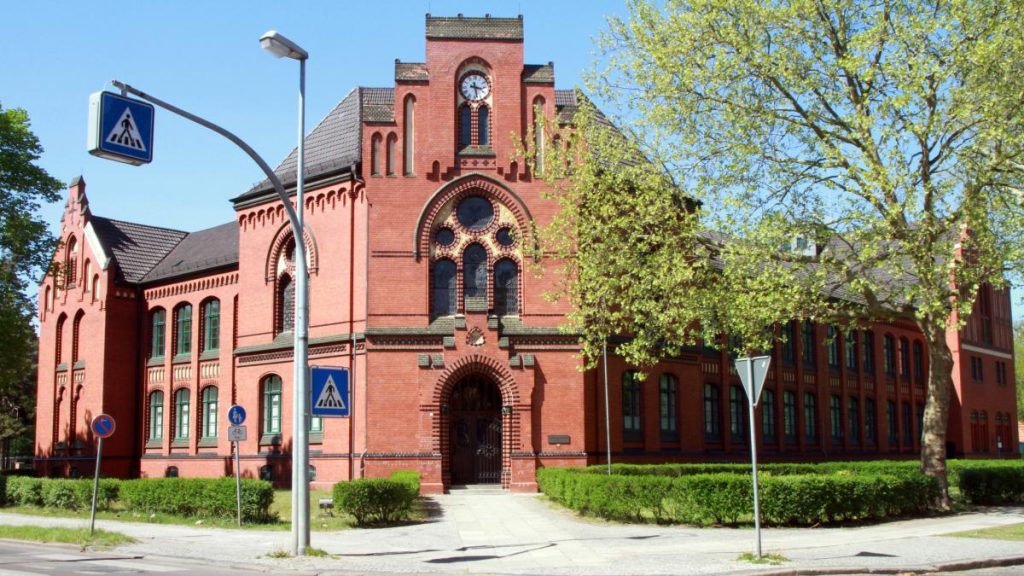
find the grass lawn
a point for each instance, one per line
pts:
(77, 536)
(1011, 532)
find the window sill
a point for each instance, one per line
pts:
(79, 365)
(179, 443)
(62, 367)
(182, 359)
(155, 443)
(316, 437)
(270, 440)
(210, 355)
(208, 443)
(477, 151)
(155, 361)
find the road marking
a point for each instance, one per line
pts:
(140, 566)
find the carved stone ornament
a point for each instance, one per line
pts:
(475, 337)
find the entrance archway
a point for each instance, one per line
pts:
(475, 433)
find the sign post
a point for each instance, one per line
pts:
(752, 372)
(236, 433)
(103, 426)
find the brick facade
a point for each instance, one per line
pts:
(421, 285)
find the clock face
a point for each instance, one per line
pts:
(475, 87)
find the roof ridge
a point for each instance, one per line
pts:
(96, 217)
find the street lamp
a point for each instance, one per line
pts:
(282, 47)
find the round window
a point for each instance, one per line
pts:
(505, 237)
(444, 237)
(475, 213)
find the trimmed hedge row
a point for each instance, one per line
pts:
(378, 500)
(726, 497)
(991, 486)
(209, 497)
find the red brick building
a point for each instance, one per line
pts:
(420, 285)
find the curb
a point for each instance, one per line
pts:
(928, 569)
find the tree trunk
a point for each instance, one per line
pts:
(936, 410)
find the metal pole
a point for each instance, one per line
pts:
(238, 483)
(95, 486)
(753, 455)
(607, 416)
(300, 449)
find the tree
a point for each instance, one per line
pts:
(886, 135)
(26, 248)
(1018, 367)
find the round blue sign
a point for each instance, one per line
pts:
(236, 415)
(103, 425)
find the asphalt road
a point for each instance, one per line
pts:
(33, 559)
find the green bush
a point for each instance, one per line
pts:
(208, 497)
(59, 493)
(25, 491)
(378, 500)
(991, 485)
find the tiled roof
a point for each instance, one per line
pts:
(411, 72)
(565, 105)
(486, 28)
(332, 146)
(203, 250)
(135, 248)
(378, 104)
(539, 73)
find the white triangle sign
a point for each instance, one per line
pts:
(126, 132)
(330, 397)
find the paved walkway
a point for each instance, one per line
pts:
(484, 532)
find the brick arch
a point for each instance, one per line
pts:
(477, 364)
(284, 233)
(472, 184)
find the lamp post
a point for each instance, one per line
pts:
(282, 47)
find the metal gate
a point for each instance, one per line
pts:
(476, 432)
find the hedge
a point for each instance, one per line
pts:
(726, 497)
(992, 485)
(211, 497)
(3, 490)
(60, 494)
(378, 500)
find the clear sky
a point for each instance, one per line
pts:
(205, 57)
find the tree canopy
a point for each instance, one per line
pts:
(843, 160)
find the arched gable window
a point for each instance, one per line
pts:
(183, 330)
(407, 141)
(483, 126)
(474, 277)
(157, 333)
(286, 304)
(271, 406)
(156, 415)
(538, 136)
(59, 346)
(71, 263)
(389, 161)
(465, 125)
(209, 421)
(506, 287)
(76, 331)
(211, 325)
(375, 142)
(87, 275)
(443, 288)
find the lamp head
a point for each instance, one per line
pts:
(280, 46)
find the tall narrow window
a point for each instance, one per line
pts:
(156, 415)
(868, 348)
(538, 139)
(58, 349)
(851, 350)
(465, 126)
(389, 160)
(210, 412)
(768, 416)
(272, 405)
(87, 274)
(853, 415)
(443, 288)
(918, 362)
(71, 264)
(631, 427)
(789, 415)
(712, 418)
(211, 325)
(985, 313)
(870, 421)
(183, 330)
(286, 304)
(889, 354)
(908, 435)
(835, 416)
(483, 126)
(157, 333)
(737, 415)
(375, 152)
(76, 334)
(890, 420)
(905, 358)
(506, 288)
(833, 347)
(182, 414)
(808, 344)
(474, 277)
(407, 140)
(668, 415)
(810, 418)
(788, 344)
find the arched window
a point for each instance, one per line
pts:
(211, 325)
(833, 347)
(918, 362)
(87, 275)
(183, 330)
(271, 405)
(156, 415)
(95, 287)
(668, 392)
(443, 287)
(851, 350)
(631, 393)
(483, 126)
(286, 304)
(157, 333)
(889, 354)
(59, 346)
(407, 140)
(712, 419)
(538, 137)
(209, 422)
(474, 277)
(71, 263)
(389, 161)
(76, 331)
(506, 288)
(768, 416)
(182, 414)
(375, 151)
(810, 418)
(737, 414)
(905, 358)
(465, 126)
(47, 302)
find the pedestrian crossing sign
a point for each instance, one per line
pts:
(120, 128)
(330, 391)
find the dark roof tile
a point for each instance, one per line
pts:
(135, 248)
(539, 73)
(411, 72)
(208, 249)
(487, 28)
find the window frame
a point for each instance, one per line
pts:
(183, 330)
(182, 414)
(632, 406)
(668, 411)
(156, 416)
(271, 404)
(210, 340)
(211, 403)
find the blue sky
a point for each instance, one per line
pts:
(205, 58)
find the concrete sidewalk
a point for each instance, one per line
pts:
(489, 532)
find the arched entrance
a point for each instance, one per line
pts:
(475, 434)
